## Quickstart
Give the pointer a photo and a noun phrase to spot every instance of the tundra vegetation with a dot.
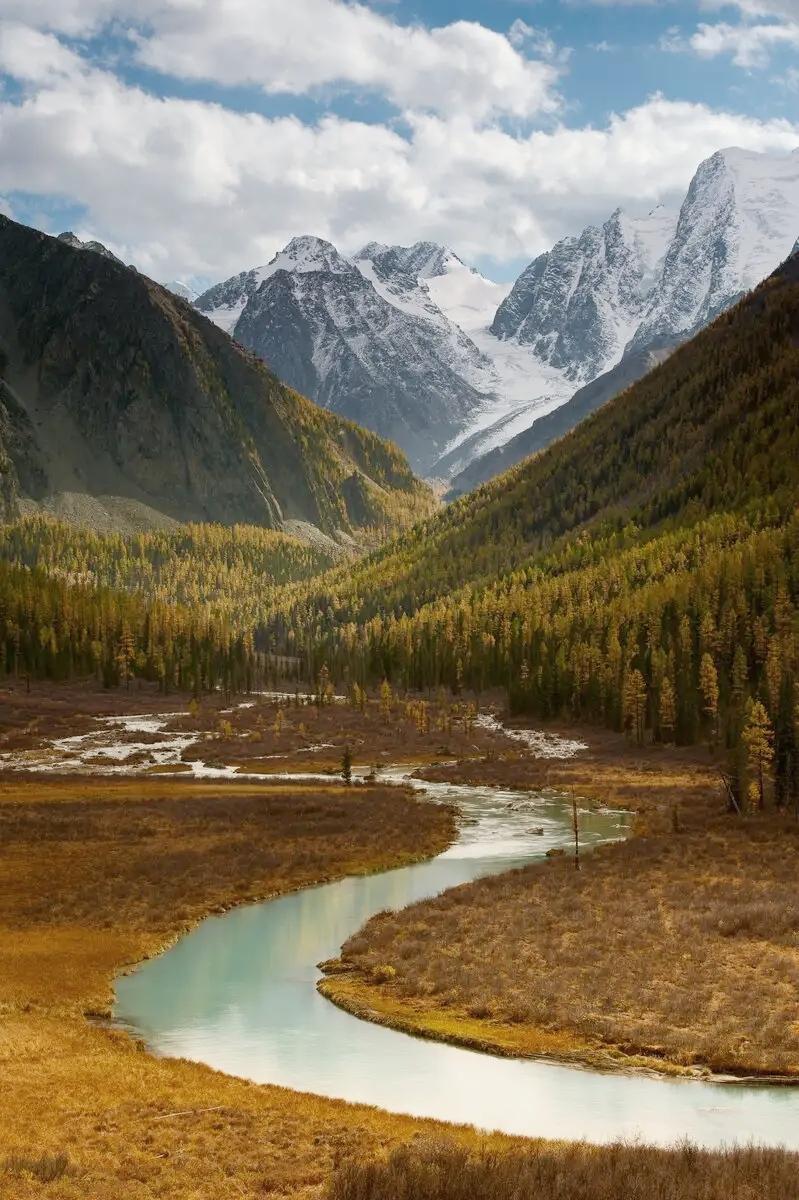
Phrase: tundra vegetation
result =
(443, 1170)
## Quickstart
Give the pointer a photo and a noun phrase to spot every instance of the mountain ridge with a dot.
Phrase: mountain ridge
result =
(113, 386)
(429, 363)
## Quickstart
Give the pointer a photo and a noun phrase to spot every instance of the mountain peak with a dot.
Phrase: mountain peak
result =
(424, 260)
(71, 239)
(184, 290)
(738, 221)
(308, 253)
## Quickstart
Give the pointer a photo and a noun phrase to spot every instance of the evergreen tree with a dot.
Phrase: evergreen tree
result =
(758, 739)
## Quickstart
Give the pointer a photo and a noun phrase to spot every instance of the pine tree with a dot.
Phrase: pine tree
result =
(667, 710)
(709, 687)
(758, 740)
(346, 765)
(386, 701)
(635, 697)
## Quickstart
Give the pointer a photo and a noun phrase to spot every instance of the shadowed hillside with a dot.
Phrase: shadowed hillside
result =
(118, 398)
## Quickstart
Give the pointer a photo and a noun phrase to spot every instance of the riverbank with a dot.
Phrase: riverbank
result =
(445, 1171)
(675, 951)
(96, 875)
(100, 873)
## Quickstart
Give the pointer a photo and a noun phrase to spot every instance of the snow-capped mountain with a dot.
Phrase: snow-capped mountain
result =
(638, 284)
(576, 306)
(738, 222)
(361, 338)
(184, 290)
(225, 302)
(418, 346)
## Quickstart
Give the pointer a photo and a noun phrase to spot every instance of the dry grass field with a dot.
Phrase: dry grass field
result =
(34, 711)
(98, 874)
(442, 1170)
(270, 737)
(678, 949)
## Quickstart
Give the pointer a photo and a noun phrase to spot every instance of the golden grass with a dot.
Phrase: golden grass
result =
(678, 950)
(443, 1170)
(97, 874)
(270, 737)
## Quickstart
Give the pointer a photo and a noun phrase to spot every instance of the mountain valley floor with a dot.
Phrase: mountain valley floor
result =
(97, 873)
(677, 950)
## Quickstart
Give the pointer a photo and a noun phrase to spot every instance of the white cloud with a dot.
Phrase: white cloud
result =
(31, 56)
(187, 187)
(296, 46)
(749, 45)
(786, 9)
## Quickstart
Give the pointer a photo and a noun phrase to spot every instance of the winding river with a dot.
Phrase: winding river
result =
(239, 994)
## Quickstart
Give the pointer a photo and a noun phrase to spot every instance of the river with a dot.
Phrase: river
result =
(239, 992)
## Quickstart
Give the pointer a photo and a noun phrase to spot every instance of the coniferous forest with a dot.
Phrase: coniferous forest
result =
(641, 573)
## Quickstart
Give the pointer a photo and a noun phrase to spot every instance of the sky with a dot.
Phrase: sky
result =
(196, 137)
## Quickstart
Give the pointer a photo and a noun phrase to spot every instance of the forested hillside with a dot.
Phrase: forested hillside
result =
(643, 571)
(117, 397)
(177, 606)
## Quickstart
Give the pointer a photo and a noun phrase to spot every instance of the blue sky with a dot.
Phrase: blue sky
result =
(195, 139)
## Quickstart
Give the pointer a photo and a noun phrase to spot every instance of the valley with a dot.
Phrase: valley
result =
(133, 861)
(366, 833)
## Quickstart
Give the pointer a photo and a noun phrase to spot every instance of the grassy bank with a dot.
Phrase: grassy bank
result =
(676, 950)
(95, 875)
(446, 1171)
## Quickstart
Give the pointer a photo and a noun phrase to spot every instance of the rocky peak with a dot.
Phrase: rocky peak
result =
(307, 253)
(577, 305)
(422, 260)
(71, 239)
(737, 222)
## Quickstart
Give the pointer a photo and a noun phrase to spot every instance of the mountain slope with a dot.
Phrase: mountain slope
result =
(114, 388)
(577, 305)
(549, 428)
(359, 339)
(697, 463)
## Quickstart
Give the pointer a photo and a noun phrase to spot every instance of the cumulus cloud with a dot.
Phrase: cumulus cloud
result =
(297, 46)
(749, 45)
(181, 186)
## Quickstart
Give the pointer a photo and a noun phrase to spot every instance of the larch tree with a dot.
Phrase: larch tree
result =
(758, 740)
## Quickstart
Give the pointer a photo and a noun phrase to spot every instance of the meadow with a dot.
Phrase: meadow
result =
(98, 873)
(677, 949)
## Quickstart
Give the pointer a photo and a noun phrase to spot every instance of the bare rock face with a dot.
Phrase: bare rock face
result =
(578, 304)
(114, 387)
(361, 338)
